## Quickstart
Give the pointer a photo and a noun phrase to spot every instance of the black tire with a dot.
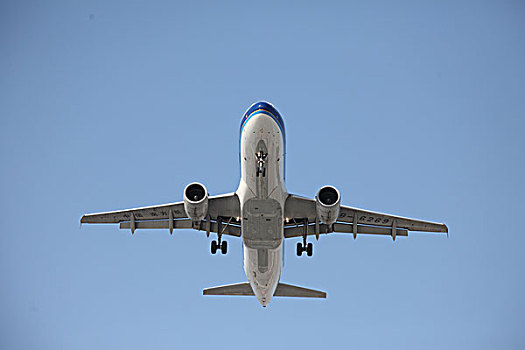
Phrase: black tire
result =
(299, 249)
(224, 247)
(309, 249)
(213, 247)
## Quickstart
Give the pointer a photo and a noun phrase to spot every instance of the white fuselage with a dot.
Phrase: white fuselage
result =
(262, 194)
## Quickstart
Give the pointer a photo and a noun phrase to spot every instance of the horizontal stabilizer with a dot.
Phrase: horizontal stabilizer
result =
(230, 289)
(283, 290)
(287, 290)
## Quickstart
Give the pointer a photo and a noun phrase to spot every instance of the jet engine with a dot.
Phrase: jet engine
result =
(327, 204)
(196, 201)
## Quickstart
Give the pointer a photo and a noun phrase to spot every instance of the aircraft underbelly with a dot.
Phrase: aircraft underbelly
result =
(263, 269)
(262, 223)
(262, 195)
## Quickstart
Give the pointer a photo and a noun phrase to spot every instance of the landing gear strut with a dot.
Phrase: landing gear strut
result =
(220, 244)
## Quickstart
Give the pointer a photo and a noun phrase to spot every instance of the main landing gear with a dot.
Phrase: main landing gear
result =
(309, 249)
(219, 243)
(304, 247)
(223, 246)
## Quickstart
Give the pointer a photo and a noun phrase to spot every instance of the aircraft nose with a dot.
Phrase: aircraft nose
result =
(265, 106)
(268, 107)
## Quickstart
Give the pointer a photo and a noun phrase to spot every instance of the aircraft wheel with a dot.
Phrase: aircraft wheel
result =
(299, 249)
(213, 247)
(224, 247)
(309, 249)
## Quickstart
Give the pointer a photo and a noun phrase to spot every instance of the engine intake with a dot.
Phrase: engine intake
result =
(327, 204)
(196, 201)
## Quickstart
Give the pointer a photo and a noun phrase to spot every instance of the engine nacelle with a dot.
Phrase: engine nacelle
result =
(327, 204)
(196, 201)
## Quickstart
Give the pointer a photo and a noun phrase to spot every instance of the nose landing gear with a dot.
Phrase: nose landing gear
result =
(261, 158)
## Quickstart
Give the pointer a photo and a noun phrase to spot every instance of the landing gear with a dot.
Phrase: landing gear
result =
(305, 247)
(219, 243)
(308, 248)
(261, 158)
(223, 246)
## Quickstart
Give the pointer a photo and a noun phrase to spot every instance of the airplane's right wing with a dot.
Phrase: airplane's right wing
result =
(223, 216)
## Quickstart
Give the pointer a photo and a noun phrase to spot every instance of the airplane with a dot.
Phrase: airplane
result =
(263, 213)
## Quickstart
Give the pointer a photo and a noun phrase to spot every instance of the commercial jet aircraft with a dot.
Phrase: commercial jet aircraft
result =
(263, 213)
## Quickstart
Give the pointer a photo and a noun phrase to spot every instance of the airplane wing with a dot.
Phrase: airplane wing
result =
(301, 216)
(223, 216)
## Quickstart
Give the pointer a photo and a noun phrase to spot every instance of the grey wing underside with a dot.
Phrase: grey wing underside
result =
(282, 290)
(223, 215)
(301, 216)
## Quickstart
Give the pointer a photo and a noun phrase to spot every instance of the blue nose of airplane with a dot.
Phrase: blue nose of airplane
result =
(267, 108)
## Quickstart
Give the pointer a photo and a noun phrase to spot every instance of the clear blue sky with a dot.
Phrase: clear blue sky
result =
(414, 108)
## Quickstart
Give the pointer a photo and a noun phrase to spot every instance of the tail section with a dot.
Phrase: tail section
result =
(283, 290)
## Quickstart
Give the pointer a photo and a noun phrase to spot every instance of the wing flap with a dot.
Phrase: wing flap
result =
(298, 231)
(231, 230)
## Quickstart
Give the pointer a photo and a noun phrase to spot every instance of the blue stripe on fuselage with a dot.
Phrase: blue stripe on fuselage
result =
(267, 109)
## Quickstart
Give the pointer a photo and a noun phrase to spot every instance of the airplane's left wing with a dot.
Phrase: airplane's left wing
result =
(301, 216)
(223, 216)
